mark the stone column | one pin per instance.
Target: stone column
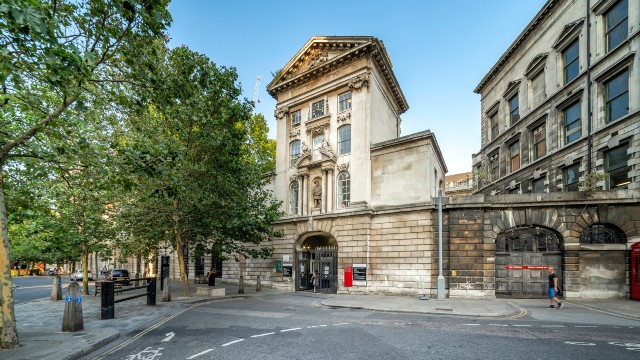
(300, 192)
(323, 206)
(330, 190)
(305, 196)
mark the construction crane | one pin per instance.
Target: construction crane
(256, 90)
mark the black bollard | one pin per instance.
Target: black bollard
(166, 293)
(151, 291)
(72, 320)
(258, 284)
(107, 300)
(241, 285)
(56, 290)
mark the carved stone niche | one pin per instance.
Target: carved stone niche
(294, 132)
(342, 167)
(359, 81)
(281, 111)
(346, 118)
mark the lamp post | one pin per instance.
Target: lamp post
(440, 275)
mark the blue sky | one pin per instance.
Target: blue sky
(440, 50)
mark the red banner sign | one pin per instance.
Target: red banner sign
(526, 267)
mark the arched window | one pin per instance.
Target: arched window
(529, 239)
(602, 234)
(295, 152)
(293, 198)
(317, 144)
(344, 140)
(344, 189)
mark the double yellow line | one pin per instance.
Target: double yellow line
(522, 312)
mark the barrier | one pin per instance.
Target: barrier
(107, 295)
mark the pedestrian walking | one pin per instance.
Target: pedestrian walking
(553, 288)
(211, 276)
(312, 282)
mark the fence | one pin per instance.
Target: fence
(107, 295)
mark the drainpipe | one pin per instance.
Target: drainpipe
(440, 275)
(590, 114)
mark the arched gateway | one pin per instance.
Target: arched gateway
(317, 252)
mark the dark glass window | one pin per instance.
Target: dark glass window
(344, 189)
(514, 152)
(617, 96)
(617, 24)
(344, 101)
(295, 152)
(572, 127)
(539, 142)
(571, 61)
(494, 126)
(615, 165)
(317, 109)
(570, 176)
(514, 109)
(494, 163)
(296, 117)
(538, 185)
(515, 190)
(344, 139)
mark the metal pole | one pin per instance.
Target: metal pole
(440, 275)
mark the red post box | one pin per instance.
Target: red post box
(348, 276)
(635, 271)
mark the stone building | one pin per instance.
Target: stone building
(459, 184)
(561, 107)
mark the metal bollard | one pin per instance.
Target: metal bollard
(241, 285)
(166, 293)
(107, 300)
(151, 291)
(136, 276)
(56, 290)
(258, 284)
(72, 320)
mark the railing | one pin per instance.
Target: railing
(107, 295)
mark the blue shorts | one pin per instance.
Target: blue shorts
(552, 293)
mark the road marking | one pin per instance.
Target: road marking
(520, 314)
(169, 336)
(629, 317)
(628, 346)
(322, 325)
(233, 342)
(260, 335)
(579, 343)
(341, 324)
(497, 325)
(198, 354)
(290, 329)
(585, 326)
(552, 326)
(472, 324)
(522, 325)
(148, 353)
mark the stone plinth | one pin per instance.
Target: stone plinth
(210, 291)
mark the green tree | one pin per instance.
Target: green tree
(58, 55)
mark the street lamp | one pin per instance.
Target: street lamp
(440, 276)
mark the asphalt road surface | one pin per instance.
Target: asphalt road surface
(296, 326)
(27, 288)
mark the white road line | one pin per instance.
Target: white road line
(579, 343)
(523, 325)
(497, 325)
(198, 354)
(472, 324)
(233, 342)
(585, 326)
(312, 326)
(338, 324)
(322, 325)
(290, 329)
(552, 326)
(260, 335)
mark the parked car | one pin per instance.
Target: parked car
(52, 272)
(77, 275)
(118, 275)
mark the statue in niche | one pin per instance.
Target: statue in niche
(317, 193)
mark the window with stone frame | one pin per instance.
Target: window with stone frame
(571, 122)
(617, 24)
(344, 140)
(571, 61)
(317, 144)
(514, 109)
(539, 141)
(296, 117)
(493, 123)
(294, 191)
(538, 186)
(570, 176)
(317, 109)
(616, 167)
(494, 166)
(616, 96)
(515, 190)
(514, 155)
(344, 101)
(538, 89)
(344, 190)
(295, 152)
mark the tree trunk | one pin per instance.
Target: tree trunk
(179, 245)
(8, 330)
(85, 270)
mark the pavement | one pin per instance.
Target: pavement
(40, 333)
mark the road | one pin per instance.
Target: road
(27, 288)
(296, 326)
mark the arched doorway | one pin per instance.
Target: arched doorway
(317, 253)
(523, 254)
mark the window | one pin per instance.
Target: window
(572, 126)
(293, 198)
(296, 117)
(344, 101)
(616, 97)
(515, 190)
(538, 185)
(570, 176)
(617, 24)
(494, 126)
(514, 112)
(344, 140)
(571, 56)
(539, 142)
(514, 153)
(494, 164)
(344, 189)
(538, 93)
(317, 109)
(317, 144)
(617, 168)
(295, 152)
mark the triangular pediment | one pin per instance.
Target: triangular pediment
(569, 33)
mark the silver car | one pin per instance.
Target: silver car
(77, 275)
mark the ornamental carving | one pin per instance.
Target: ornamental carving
(294, 132)
(293, 178)
(344, 118)
(342, 167)
(326, 150)
(359, 81)
(318, 129)
(281, 111)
